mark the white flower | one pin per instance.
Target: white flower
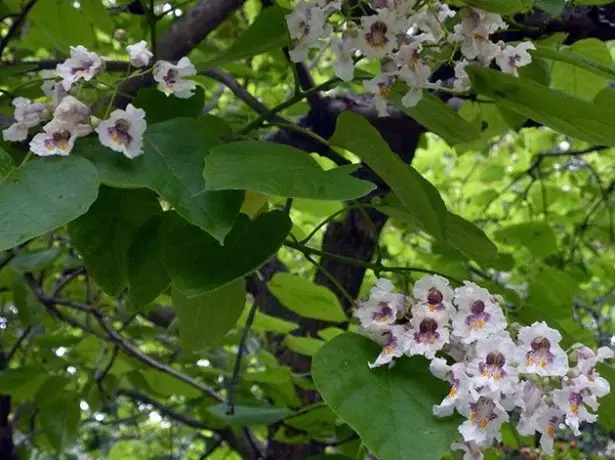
(75, 113)
(380, 86)
(382, 308)
(513, 57)
(139, 54)
(548, 423)
(123, 131)
(394, 344)
(587, 359)
(402, 8)
(460, 386)
(495, 365)
(53, 88)
(344, 50)
(81, 64)
(470, 450)
(462, 79)
(473, 33)
(533, 407)
(329, 6)
(16, 132)
(27, 115)
(540, 350)
(428, 334)
(306, 25)
(414, 72)
(572, 399)
(58, 138)
(378, 36)
(485, 416)
(604, 354)
(170, 78)
(433, 295)
(479, 316)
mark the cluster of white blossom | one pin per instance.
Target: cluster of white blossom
(410, 38)
(492, 370)
(66, 117)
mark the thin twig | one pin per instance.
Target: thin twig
(18, 343)
(234, 380)
(16, 25)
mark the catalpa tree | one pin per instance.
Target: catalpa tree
(312, 229)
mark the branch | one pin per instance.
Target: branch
(18, 343)
(239, 444)
(16, 25)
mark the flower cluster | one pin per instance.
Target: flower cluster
(409, 38)
(492, 370)
(67, 118)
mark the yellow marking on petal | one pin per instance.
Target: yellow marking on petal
(574, 408)
(452, 393)
(388, 350)
(550, 430)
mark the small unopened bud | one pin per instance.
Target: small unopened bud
(119, 35)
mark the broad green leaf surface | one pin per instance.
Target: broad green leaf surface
(438, 118)
(43, 195)
(159, 107)
(356, 134)
(172, 164)
(6, 164)
(566, 114)
(128, 449)
(60, 420)
(104, 234)
(390, 409)
(205, 319)
(600, 64)
(499, 6)
(247, 415)
(552, 291)
(553, 7)
(33, 261)
(587, 72)
(268, 32)
(278, 169)
(306, 298)
(537, 237)
(606, 411)
(267, 323)
(198, 264)
(306, 346)
(147, 274)
(470, 240)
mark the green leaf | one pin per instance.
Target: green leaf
(22, 381)
(33, 261)
(306, 346)
(552, 290)
(587, 70)
(470, 240)
(438, 118)
(266, 323)
(60, 420)
(306, 298)
(29, 309)
(166, 385)
(553, 7)
(278, 169)
(6, 164)
(575, 56)
(43, 195)
(132, 449)
(172, 164)
(390, 409)
(606, 411)
(538, 237)
(147, 274)
(159, 107)
(198, 264)
(57, 25)
(268, 32)
(205, 319)
(356, 134)
(568, 115)
(104, 234)
(498, 6)
(247, 415)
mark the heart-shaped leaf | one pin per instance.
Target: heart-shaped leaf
(43, 195)
(172, 165)
(390, 409)
(198, 264)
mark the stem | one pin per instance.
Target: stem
(359, 263)
(327, 85)
(152, 20)
(230, 398)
